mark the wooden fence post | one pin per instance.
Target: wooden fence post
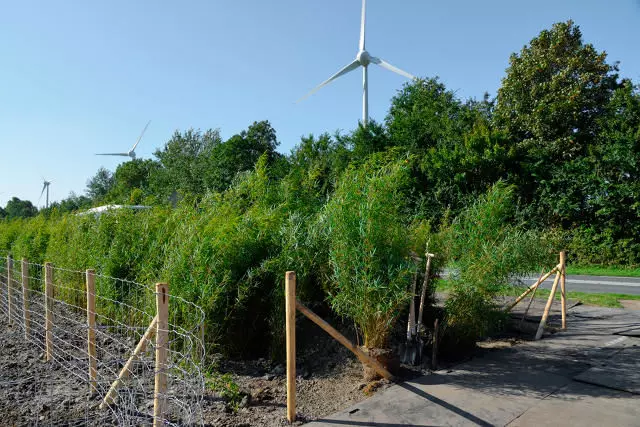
(91, 331)
(48, 308)
(25, 297)
(563, 292)
(290, 308)
(545, 315)
(9, 271)
(162, 341)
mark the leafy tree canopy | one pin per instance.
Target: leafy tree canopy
(555, 90)
(17, 208)
(100, 184)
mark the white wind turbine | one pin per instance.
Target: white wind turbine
(131, 153)
(363, 59)
(45, 186)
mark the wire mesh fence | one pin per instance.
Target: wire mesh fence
(106, 353)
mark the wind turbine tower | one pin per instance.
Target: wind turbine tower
(363, 59)
(45, 186)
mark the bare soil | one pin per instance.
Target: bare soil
(630, 304)
(36, 392)
(329, 378)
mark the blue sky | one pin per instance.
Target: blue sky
(78, 78)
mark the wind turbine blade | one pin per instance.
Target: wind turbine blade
(140, 137)
(362, 22)
(352, 66)
(42, 192)
(385, 64)
(113, 154)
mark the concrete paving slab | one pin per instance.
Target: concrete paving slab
(583, 405)
(434, 400)
(621, 372)
(530, 383)
(463, 396)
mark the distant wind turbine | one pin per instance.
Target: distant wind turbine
(131, 153)
(45, 186)
(363, 59)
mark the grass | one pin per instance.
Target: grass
(600, 300)
(604, 271)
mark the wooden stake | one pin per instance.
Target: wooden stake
(434, 347)
(364, 357)
(91, 331)
(9, 299)
(545, 315)
(563, 294)
(126, 369)
(48, 308)
(425, 285)
(532, 287)
(162, 341)
(26, 315)
(290, 320)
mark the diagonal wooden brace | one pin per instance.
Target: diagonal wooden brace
(112, 394)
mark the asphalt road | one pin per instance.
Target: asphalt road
(595, 284)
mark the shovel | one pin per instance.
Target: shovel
(411, 351)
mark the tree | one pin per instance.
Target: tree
(241, 152)
(364, 141)
(184, 162)
(551, 104)
(554, 92)
(424, 114)
(315, 164)
(100, 184)
(17, 208)
(131, 176)
(72, 203)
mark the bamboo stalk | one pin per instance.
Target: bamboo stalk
(361, 355)
(563, 293)
(290, 308)
(112, 394)
(48, 307)
(425, 285)
(532, 287)
(162, 341)
(26, 314)
(545, 315)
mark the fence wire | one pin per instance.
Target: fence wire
(61, 388)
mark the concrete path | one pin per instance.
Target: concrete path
(534, 383)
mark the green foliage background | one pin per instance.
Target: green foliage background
(493, 186)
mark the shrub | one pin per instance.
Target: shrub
(368, 247)
(486, 250)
